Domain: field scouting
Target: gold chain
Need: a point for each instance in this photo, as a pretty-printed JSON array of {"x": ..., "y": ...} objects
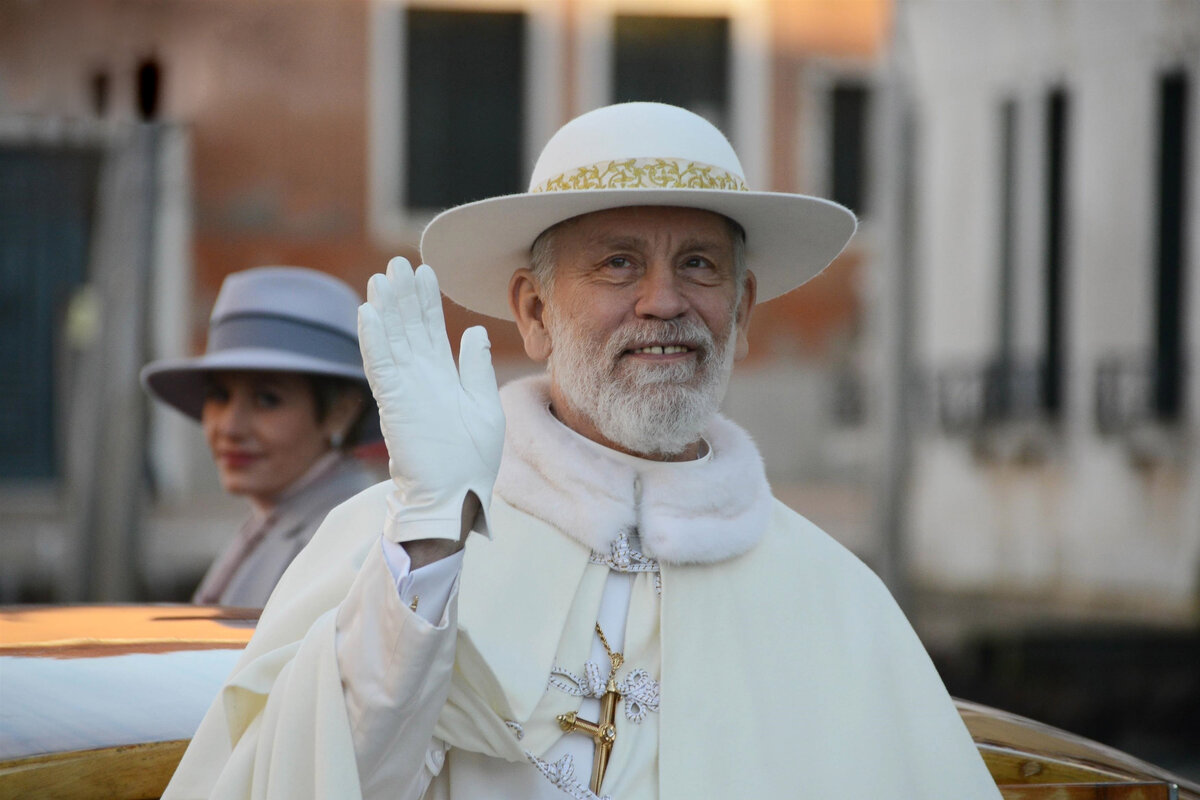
[{"x": 616, "y": 658}]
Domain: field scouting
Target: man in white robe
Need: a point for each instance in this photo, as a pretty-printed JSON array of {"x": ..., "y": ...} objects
[{"x": 641, "y": 619}]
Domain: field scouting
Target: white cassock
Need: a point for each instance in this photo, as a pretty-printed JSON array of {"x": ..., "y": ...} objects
[{"x": 760, "y": 659}]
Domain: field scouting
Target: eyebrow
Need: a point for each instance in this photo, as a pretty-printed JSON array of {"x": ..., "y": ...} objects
[{"x": 703, "y": 244}]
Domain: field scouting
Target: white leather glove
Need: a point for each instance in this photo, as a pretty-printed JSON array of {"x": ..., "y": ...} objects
[{"x": 444, "y": 427}]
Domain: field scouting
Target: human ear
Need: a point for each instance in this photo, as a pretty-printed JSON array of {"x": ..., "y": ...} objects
[
  {"x": 744, "y": 309},
  {"x": 343, "y": 413},
  {"x": 527, "y": 304}
]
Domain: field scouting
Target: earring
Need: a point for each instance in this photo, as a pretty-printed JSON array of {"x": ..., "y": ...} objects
[{"x": 336, "y": 439}]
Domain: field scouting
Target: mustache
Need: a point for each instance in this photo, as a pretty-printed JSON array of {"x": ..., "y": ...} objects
[{"x": 690, "y": 333}]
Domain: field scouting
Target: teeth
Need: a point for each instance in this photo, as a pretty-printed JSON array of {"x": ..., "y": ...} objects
[{"x": 658, "y": 350}]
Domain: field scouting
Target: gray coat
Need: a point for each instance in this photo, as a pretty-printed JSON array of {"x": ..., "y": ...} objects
[{"x": 257, "y": 566}]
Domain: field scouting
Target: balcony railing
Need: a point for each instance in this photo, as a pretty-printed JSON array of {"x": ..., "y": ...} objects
[
  {"x": 1136, "y": 391},
  {"x": 971, "y": 398}
]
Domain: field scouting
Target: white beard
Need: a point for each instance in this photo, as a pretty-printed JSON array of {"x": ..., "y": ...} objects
[{"x": 656, "y": 410}]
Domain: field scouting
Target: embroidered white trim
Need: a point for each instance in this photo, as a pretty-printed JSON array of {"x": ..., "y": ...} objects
[
  {"x": 639, "y": 691},
  {"x": 623, "y": 557},
  {"x": 516, "y": 728},
  {"x": 562, "y": 774},
  {"x": 591, "y": 685}
]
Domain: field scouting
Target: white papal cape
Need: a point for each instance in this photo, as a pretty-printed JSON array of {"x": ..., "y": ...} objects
[{"x": 785, "y": 667}]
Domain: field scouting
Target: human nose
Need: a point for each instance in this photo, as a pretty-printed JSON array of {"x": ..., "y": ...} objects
[
  {"x": 660, "y": 295},
  {"x": 233, "y": 418}
]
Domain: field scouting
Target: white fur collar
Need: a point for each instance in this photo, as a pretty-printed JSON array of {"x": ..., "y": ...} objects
[{"x": 690, "y": 513}]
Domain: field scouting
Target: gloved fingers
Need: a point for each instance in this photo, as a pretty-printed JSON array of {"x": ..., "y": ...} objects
[
  {"x": 381, "y": 296},
  {"x": 475, "y": 370},
  {"x": 407, "y": 305},
  {"x": 430, "y": 298},
  {"x": 377, "y": 352}
]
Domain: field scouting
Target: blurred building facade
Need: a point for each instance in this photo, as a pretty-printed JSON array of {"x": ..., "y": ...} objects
[
  {"x": 326, "y": 133},
  {"x": 1053, "y": 240},
  {"x": 993, "y": 391}
]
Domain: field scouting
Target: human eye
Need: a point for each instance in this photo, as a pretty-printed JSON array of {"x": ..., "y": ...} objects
[
  {"x": 267, "y": 398},
  {"x": 701, "y": 267},
  {"x": 618, "y": 262}
]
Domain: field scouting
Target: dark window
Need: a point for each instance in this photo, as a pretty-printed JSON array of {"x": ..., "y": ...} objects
[
  {"x": 149, "y": 87},
  {"x": 1004, "y": 364},
  {"x": 1054, "y": 346},
  {"x": 98, "y": 92},
  {"x": 848, "y": 135},
  {"x": 465, "y": 111},
  {"x": 1170, "y": 288},
  {"x": 679, "y": 60},
  {"x": 46, "y": 199}
]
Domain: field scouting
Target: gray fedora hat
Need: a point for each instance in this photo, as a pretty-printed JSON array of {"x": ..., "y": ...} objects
[{"x": 271, "y": 319}]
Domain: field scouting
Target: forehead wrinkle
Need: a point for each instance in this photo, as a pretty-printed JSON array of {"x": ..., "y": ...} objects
[
  {"x": 617, "y": 241},
  {"x": 690, "y": 242}
]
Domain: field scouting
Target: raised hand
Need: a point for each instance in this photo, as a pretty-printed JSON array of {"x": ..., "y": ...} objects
[{"x": 443, "y": 426}]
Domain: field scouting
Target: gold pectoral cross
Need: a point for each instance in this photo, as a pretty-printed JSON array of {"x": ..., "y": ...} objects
[{"x": 603, "y": 732}]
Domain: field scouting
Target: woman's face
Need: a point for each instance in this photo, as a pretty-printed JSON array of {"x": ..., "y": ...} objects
[{"x": 263, "y": 431}]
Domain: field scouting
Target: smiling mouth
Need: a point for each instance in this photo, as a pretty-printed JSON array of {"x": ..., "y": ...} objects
[
  {"x": 238, "y": 459},
  {"x": 661, "y": 350}
]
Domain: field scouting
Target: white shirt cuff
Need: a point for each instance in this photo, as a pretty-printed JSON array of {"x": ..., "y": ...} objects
[{"x": 429, "y": 586}]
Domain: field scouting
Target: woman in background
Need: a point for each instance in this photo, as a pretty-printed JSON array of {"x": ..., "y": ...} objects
[{"x": 282, "y": 398}]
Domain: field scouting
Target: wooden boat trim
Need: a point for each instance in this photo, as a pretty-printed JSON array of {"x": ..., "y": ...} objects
[{"x": 128, "y": 772}]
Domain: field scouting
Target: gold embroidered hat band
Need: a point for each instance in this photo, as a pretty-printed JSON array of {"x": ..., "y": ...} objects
[
  {"x": 631, "y": 154},
  {"x": 643, "y": 173}
]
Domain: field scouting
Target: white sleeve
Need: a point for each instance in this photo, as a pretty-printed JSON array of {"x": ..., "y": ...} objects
[
  {"x": 427, "y": 587},
  {"x": 395, "y": 667}
]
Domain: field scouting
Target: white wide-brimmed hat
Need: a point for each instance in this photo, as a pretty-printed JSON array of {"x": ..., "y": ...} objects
[
  {"x": 631, "y": 154},
  {"x": 272, "y": 319}
]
